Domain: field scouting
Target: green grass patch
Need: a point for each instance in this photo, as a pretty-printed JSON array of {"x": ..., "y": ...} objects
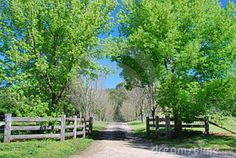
[
  {"x": 189, "y": 138},
  {"x": 227, "y": 122},
  {"x": 99, "y": 126},
  {"x": 43, "y": 148}
]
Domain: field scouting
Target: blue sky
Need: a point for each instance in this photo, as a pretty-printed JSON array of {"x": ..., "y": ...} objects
[
  {"x": 113, "y": 79},
  {"x": 224, "y": 2}
]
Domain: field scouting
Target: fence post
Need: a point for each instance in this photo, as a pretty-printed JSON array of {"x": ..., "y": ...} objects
[
  {"x": 148, "y": 125},
  {"x": 157, "y": 125},
  {"x": 84, "y": 128},
  {"x": 206, "y": 122},
  {"x": 90, "y": 124},
  {"x": 63, "y": 123},
  {"x": 75, "y": 127},
  {"x": 168, "y": 127},
  {"x": 7, "y": 128}
]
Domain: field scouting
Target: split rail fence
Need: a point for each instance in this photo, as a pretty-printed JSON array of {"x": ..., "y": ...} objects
[
  {"x": 167, "y": 122},
  {"x": 62, "y": 127}
]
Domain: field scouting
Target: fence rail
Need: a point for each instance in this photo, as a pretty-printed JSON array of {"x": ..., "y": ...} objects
[
  {"x": 168, "y": 122},
  {"x": 80, "y": 127}
]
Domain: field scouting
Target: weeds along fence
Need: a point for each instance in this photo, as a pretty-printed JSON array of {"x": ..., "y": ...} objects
[
  {"x": 155, "y": 124},
  {"x": 20, "y": 128}
]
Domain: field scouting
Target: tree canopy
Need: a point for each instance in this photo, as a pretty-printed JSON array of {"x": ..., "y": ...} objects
[
  {"x": 43, "y": 44},
  {"x": 186, "y": 48},
  {"x": 179, "y": 55}
]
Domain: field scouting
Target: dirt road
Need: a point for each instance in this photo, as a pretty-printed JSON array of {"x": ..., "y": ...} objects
[{"x": 117, "y": 142}]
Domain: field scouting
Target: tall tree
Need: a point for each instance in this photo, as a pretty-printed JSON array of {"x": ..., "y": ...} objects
[
  {"x": 117, "y": 97},
  {"x": 186, "y": 48},
  {"x": 136, "y": 104},
  {"x": 44, "y": 42}
]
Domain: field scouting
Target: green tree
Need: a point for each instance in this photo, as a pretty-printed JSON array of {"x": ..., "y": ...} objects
[
  {"x": 117, "y": 97},
  {"x": 186, "y": 48},
  {"x": 43, "y": 43}
]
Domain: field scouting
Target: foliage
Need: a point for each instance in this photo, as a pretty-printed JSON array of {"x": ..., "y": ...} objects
[
  {"x": 185, "y": 48},
  {"x": 43, "y": 43},
  {"x": 117, "y": 97},
  {"x": 15, "y": 102}
]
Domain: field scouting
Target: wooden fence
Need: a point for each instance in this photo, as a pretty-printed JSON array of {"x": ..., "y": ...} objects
[
  {"x": 168, "y": 123},
  {"x": 75, "y": 126}
]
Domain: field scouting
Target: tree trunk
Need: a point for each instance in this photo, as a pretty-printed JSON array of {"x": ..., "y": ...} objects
[
  {"x": 53, "y": 100},
  {"x": 178, "y": 123},
  {"x": 153, "y": 112},
  {"x": 136, "y": 114},
  {"x": 141, "y": 115},
  {"x": 141, "y": 110}
]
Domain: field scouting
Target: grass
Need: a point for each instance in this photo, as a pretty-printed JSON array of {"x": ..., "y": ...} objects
[
  {"x": 47, "y": 147},
  {"x": 99, "y": 126},
  {"x": 228, "y": 122},
  {"x": 43, "y": 148},
  {"x": 218, "y": 139}
]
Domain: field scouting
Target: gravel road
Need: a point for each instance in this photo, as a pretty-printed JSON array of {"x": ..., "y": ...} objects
[{"x": 117, "y": 141}]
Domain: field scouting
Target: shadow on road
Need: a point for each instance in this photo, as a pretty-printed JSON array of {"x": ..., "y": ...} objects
[
  {"x": 114, "y": 132},
  {"x": 120, "y": 132}
]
